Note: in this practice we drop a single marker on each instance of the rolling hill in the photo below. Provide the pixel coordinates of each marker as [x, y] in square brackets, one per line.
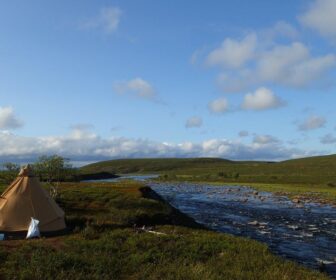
[320, 169]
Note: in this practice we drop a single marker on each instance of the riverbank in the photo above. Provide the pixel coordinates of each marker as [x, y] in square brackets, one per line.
[107, 240]
[304, 192]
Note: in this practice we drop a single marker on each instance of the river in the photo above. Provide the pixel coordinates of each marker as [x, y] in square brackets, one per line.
[303, 232]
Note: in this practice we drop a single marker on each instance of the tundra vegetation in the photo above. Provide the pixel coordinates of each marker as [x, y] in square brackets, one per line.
[106, 240]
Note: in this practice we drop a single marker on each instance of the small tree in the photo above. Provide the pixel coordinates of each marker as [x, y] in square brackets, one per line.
[11, 167]
[53, 169]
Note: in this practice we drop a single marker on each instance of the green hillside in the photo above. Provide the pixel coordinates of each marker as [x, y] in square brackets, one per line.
[314, 170]
[123, 166]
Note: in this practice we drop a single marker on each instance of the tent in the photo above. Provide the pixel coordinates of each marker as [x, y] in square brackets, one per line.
[25, 199]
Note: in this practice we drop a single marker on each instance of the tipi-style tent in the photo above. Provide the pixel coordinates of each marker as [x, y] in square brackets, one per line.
[25, 199]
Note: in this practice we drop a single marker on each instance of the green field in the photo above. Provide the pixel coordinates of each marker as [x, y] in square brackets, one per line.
[105, 242]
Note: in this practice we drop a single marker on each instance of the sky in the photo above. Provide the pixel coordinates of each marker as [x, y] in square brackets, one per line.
[97, 80]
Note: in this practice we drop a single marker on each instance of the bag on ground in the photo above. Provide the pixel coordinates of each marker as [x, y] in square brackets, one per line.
[33, 230]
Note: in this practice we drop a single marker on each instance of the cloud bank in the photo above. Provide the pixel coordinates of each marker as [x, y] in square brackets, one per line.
[83, 145]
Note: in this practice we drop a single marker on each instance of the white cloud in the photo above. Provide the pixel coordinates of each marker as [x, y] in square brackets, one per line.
[243, 133]
[312, 122]
[251, 62]
[265, 139]
[194, 122]
[87, 146]
[261, 99]
[320, 16]
[218, 106]
[80, 131]
[328, 139]
[8, 120]
[137, 87]
[233, 53]
[107, 20]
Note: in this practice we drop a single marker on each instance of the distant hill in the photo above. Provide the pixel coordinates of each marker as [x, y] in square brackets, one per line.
[156, 165]
[320, 169]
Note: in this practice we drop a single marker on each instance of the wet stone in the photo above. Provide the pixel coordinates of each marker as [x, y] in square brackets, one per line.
[254, 223]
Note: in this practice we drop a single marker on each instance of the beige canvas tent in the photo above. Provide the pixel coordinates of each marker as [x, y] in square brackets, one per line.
[25, 199]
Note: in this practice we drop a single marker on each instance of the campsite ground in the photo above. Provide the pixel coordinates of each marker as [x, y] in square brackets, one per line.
[106, 241]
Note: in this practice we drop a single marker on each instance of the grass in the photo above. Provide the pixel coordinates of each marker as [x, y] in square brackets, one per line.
[104, 244]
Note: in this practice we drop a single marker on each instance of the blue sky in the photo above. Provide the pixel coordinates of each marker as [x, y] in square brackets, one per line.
[94, 80]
